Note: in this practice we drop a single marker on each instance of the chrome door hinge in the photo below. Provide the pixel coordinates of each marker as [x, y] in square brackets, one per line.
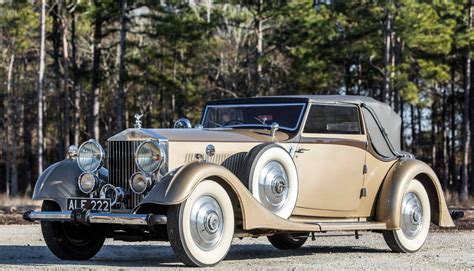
[364, 169]
[363, 192]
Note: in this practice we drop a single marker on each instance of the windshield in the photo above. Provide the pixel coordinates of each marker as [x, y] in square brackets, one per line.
[288, 116]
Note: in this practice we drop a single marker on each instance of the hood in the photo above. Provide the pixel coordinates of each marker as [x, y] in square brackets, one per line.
[199, 135]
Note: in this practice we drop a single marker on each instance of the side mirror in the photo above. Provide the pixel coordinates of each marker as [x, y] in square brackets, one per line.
[183, 123]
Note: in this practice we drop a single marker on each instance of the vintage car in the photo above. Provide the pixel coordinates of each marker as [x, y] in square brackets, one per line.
[285, 167]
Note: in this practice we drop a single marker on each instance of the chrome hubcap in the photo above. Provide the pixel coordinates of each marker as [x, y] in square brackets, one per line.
[206, 223]
[412, 215]
[273, 186]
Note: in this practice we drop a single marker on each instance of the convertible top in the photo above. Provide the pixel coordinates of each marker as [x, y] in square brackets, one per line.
[389, 122]
[388, 119]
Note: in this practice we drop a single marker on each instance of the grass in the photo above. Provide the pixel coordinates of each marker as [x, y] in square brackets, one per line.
[454, 200]
[6, 201]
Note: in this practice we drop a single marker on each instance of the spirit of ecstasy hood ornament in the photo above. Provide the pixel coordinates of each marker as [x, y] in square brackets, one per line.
[138, 122]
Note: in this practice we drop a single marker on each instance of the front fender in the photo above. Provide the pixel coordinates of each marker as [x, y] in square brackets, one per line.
[59, 182]
[389, 203]
[176, 187]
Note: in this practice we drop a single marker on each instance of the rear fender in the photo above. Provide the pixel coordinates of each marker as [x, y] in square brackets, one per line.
[389, 203]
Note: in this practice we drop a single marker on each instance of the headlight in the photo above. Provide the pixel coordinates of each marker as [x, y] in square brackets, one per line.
[87, 182]
[139, 183]
[149, 156]
[90, 156]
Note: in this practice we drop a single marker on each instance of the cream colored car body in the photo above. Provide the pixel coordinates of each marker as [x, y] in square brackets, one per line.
[343, 183]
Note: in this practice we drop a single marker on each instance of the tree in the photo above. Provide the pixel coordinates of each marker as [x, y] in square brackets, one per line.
[121, 91]
[465, 124]
[40, 85]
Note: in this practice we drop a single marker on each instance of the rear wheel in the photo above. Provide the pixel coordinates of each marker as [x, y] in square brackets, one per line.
[71, 241]
[414, 221]
[201, 228]
[287, 241]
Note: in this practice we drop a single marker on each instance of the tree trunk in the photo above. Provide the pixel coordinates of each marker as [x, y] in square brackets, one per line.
[27, 180]
[76, 88]
[40, 86]
[64, 32]
[471, 124]
[209, 9]
[452, 160]
[121, 93]
[434, 116]
[12, 174]
[13, 109]
[465, 124]
[444, 147]
[259, 47]
[387, 32]
[4, 133]
[58, 102]
[96, 77]
[413, 129]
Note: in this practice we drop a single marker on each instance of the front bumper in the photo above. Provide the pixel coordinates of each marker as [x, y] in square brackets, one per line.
[88, 217]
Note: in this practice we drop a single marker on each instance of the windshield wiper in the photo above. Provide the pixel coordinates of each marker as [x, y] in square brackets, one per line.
[262, 121]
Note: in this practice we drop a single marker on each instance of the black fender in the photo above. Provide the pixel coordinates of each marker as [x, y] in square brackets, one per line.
[59, 182]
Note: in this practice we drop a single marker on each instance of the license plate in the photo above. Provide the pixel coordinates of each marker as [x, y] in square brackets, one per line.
[98, 205]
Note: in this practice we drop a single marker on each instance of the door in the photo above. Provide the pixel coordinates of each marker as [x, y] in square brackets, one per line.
[330, 158]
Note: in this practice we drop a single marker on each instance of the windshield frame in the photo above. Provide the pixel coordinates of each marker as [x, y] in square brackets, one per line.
[292, 129]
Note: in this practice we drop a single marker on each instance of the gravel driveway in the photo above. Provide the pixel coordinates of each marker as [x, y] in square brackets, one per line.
[22, 247]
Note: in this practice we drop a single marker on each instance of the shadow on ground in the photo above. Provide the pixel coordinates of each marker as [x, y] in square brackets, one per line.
[158, 255]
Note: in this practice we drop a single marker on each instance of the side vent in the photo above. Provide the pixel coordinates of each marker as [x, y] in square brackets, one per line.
[232, 162]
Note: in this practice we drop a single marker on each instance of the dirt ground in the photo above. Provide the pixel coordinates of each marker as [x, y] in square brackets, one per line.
[22, 247]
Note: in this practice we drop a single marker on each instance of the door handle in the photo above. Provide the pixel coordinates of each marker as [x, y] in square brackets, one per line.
[301, 150]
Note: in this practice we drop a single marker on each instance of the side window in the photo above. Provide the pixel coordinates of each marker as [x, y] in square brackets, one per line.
[333, 119]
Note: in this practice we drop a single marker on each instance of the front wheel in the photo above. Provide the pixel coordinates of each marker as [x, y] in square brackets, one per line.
[201, 228]
[71, 241]
[414, 221]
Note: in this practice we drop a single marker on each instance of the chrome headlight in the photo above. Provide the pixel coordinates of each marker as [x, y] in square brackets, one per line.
[149, 156]
[139, 183]
[87, 182]
[90, 156]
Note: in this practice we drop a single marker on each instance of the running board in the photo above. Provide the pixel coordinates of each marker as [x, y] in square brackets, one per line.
[350, 226]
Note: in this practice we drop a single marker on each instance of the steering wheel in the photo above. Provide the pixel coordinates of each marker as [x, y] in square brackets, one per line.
[233, 122]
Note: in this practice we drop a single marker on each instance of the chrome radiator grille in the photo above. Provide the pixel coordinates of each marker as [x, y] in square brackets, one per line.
[121, 166]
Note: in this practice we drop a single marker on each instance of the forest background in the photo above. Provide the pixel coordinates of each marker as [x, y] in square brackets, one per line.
[71, 70]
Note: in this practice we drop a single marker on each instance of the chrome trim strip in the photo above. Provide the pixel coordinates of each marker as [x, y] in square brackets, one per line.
[101, 218]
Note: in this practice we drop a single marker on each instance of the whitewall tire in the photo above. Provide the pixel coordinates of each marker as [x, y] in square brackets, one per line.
[201, 228]
[269, 172]
[415, 219]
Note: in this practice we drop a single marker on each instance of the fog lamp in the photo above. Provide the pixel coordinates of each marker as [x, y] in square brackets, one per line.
[139, 183]
[87, 182]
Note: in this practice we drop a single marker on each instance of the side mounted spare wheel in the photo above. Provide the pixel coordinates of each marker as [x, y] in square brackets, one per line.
[270, 174]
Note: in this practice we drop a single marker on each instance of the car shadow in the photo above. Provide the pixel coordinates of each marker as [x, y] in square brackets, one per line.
[159, 255]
